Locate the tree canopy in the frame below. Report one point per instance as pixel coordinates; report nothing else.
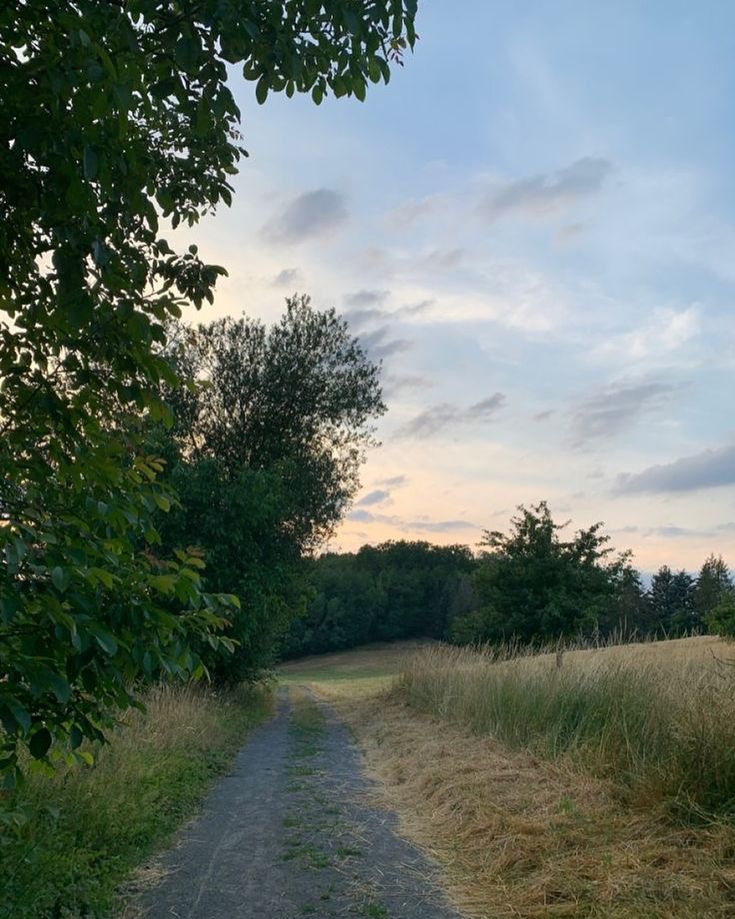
(264, 454)
(115, 121)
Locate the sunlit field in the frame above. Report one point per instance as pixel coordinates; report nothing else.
(659, 718)
(595, 785)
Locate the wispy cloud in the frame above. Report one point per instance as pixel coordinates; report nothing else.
(708, 469)
(548, 193)
(394, 384)
(659, 337)
(378, 496)
(286, 277)
(616, 408)
(311, 214)
(378, 344)
(362, 298)
(422, 525)
(446, 414)
(393, 481)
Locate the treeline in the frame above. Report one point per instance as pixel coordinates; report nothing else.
(530, 585)
(383, 593)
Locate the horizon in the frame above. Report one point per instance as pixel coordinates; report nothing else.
(533, 229)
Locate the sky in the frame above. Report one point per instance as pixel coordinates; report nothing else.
(533, 227)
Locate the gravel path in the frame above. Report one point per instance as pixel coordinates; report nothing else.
(288, 834)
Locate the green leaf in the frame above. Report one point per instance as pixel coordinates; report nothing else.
(40, 743)
(105, 640)
(186, 53)
(89, 163)
(261, 90)
(59, 578)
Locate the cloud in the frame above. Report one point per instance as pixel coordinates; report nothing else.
(286, 277)
(378, 496)
(709, 469)
(359, 318)
(312, 214)
(570, 231)
(443, 259)
(549, 192)
(665, 332)
(409, 211)
(423, 525)
(393, 481)
(393, 384)
(616, 408)
(378, 345)
(544, 416)
(367, 297)
(446, 414)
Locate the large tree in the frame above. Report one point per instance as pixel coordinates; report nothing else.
(534, 585)
(115, 121)
(265, 454)
(713, 582)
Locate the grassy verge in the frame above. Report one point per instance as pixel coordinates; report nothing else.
(88, 829)
(657, 720)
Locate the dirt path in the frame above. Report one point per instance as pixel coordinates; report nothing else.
(289, 834)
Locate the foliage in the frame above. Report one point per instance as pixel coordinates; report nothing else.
(84, 831)
(389, 592)
(532, 585)
(720, 619)
(713, 583)
(113, 116)
(265, 454)
(672, 603)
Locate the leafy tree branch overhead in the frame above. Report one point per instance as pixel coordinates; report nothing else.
(114, 118)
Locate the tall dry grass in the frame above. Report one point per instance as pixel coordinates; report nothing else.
(658, 719)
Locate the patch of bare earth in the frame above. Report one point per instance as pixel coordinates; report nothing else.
(520, 837)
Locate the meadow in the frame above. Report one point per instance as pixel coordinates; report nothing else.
(596, 783)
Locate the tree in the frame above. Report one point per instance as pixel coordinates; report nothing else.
(265, 457)
(721, 618)
(713, 581)
(671, 601)
(393, 591)
(114, 116)
(531, 585)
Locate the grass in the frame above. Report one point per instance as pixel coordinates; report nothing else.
(358, 673)
(540, 823)
(90, 828)
(660, 724)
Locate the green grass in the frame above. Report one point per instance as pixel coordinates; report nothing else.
(660, 727)
(88, 829)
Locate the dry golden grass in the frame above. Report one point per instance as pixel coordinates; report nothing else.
(520, 835)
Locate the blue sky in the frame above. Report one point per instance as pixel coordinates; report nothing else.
(533, 227)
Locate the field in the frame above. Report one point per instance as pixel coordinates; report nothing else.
(597, 785)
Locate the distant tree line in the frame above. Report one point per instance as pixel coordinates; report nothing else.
(394, 591)
(530, 585)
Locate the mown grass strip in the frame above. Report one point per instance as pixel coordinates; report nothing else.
(88, 829)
